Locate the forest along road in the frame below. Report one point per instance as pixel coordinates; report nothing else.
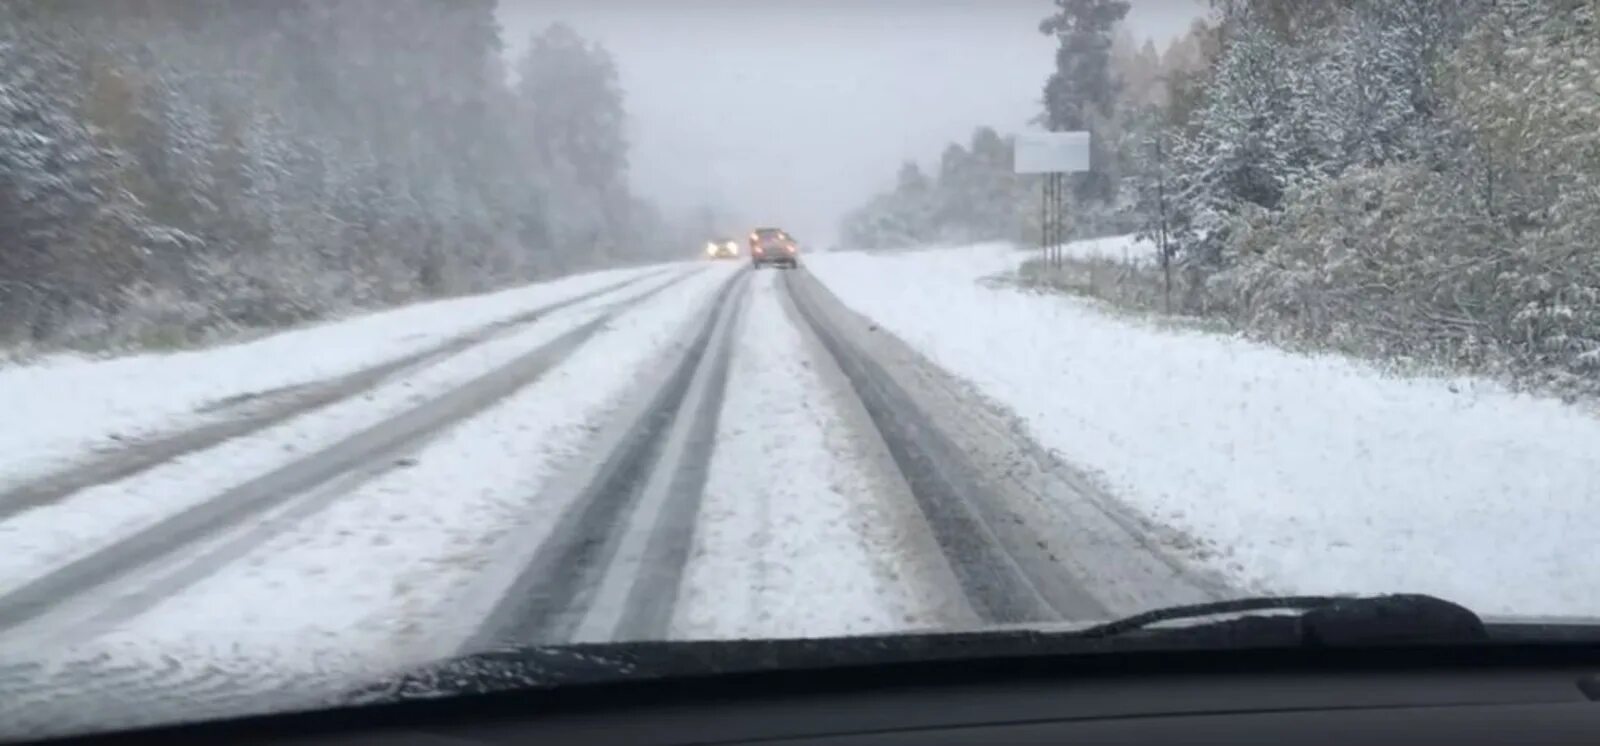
(793, 470)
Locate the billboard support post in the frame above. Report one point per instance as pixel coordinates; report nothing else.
(1052, 154)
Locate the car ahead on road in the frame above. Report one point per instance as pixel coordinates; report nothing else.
(773, 246)
(722, 248)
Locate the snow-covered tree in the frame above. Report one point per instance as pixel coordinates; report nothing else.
(1082, 92)
(1242, 149)
(574, 121)
(1527, 90)
(249, 162)
(1460, 228)
(1083, 84)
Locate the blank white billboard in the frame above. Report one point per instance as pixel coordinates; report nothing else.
(1051, 152)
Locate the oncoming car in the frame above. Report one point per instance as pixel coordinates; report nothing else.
(773, 246)
(722, 248)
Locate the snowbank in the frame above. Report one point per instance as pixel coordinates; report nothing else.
(1126, 249)
(61, 407)
(1300, 473)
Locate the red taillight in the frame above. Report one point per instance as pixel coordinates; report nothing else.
(758, 250)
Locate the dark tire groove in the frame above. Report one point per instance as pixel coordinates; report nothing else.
(147, 453)
(176, 533)
(653, 597)
(941, 479)
(550, 595)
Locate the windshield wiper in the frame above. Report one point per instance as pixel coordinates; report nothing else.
(1316, 621)
(1322, 620)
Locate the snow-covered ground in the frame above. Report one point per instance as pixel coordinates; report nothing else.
(82, 523)
(384, 572)
(1300, 473)
(792, 538)
(1118, 248)
(71, 404)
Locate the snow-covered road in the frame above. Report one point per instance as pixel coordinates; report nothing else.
(75, 405)
(817, 550)
(702, 451)
(422, 532)
(676, 435)
(1291, 473)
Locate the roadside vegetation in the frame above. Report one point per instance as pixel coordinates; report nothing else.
(1414, 182)
(178, 170)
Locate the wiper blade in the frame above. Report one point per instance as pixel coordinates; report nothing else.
(1316, 622)
(1210, 609)
(1325, 620)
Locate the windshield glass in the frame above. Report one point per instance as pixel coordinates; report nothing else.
(344, 337)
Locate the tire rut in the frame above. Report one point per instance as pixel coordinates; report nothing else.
(993, 579)
(264, 410)
(648, 611)
(552, 592)
(174, 534)
(1030, 538)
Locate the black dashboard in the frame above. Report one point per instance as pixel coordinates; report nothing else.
(1503, 694)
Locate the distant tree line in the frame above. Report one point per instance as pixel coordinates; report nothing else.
(170, 168)
(972, 197)
(1105, 82)
(1411, 180)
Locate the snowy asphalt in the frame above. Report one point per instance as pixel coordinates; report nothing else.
(870, 444)
(258, 411)
(361, 452)
(701, 453)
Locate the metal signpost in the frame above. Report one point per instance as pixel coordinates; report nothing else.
(1054, 155)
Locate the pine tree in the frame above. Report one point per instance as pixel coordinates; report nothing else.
(254, 162)
(996, 197)
(1242, 150)
(72, 238)
(1082, 91)
(572, 106)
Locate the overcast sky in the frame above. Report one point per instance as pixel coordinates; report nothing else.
(793, 112)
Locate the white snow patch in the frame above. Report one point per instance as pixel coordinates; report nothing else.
(381, 572)
(1127, 249)
(996, 257)
(788, 544)
(59, 408)
(1303, 473)
(84, 522)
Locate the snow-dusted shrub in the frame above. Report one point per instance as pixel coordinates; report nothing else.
(1398, 262)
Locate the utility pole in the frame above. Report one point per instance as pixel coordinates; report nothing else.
(1162, 245)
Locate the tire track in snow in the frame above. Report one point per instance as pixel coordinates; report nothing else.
(612, 561)
(806, 527)
(262, 411)
(169, 538)
(1029, 538)
(1003, 584)
(656, 551)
